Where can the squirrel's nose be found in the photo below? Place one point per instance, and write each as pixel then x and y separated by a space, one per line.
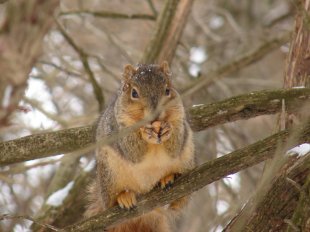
pixel 154 102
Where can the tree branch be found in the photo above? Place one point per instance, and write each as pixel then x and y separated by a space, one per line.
pixel 197 178
pixel 15 217
pixel 45 144
pixel 239 62
pixel 84 59
pixel 109 14
pixel 200 117
pixel 246 106
pixel 301 216
pixel 270 209
pixel 169 28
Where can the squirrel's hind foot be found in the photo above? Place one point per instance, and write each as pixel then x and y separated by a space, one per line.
pixel 127 199
pixel 166 182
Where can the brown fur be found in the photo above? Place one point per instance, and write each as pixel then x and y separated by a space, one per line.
pixel 135 163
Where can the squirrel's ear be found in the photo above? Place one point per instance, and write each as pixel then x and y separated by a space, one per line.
pixel 164 66
pixel 129 71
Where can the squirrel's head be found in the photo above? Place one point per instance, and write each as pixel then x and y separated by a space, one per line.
pixel 147 92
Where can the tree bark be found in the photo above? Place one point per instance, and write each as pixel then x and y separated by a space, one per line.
pixel 169 28
pixel 297 73
pixel 298 62
pixel 278 204
pixel 200 117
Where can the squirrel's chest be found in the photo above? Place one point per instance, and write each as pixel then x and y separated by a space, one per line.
pixel 143 176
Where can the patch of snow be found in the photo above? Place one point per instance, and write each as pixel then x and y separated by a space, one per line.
pixel 221 207
pixel 198 105
pixel 233 180
pixel 198 55
pixel 222 112
pixel 299 87
pixel 58 197
pixel 212 190
pixel 6 96
pixel 194 70
pixel 300 150
pixel 90 166
pixel 21 228
pixel 218 228
pixel 216 22
pixel 285 48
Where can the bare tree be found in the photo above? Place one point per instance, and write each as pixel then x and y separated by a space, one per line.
pixel 61 63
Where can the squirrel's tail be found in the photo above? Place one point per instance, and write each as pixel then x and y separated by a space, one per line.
pixel 95 203
pixel 150 222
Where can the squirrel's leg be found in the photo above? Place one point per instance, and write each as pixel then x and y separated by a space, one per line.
pixel 111 192
pixel 165 131
pixel 166 183
pixel 179 204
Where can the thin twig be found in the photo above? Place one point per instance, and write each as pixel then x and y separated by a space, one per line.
pixel 72 73
pixel 23 168
pixel 152 7
pixel 36 104
pixel 236 64
pixel 109 14
pixel 84 58
pixel 13 217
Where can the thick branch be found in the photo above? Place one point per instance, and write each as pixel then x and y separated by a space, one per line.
pixel 276 206
pixel 301 216
pixel 200 117
pixel 196 179
pixel 169 28
pixel 298 62
pixel 45 144
pixel 246 106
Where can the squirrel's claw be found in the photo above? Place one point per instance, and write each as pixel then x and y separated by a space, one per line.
pixel 167 181
pixel 149 135
pixel 165 132
pixel 127 199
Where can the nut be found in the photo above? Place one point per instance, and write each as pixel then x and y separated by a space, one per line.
pixel 156 126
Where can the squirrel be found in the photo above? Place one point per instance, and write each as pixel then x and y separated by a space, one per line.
pixel 154 154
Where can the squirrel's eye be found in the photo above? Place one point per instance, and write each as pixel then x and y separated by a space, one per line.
pixel 134 93
pixel 167 92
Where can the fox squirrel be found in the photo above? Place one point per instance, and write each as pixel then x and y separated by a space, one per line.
pixel 153 154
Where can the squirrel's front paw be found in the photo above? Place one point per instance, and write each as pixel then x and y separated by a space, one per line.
pixel 127 199
pixel 165 131
pixel 157 132
pixel 149 134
